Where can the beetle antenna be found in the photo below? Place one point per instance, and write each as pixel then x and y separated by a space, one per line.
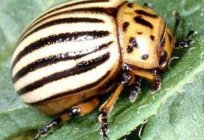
pixel 177 21
pixel 190 34
pixel 48 128
pixel 185 42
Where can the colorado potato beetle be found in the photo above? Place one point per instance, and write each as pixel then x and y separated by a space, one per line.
pixel 74 53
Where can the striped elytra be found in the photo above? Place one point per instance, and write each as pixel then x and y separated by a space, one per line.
pixel 82 49
pixel 69 50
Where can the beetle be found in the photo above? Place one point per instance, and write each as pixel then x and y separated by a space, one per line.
pixel 74 53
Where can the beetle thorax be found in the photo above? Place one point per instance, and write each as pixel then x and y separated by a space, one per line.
pixel 140 32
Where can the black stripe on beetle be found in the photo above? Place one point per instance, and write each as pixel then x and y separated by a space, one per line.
pixel 64 21
pixel 79 68
pixel 76 4
pixel 40 63
pixel 76 36
pixel 143 22
pixel 144 13
pixel 109 11
pixel 42 17
pixel 125 26
pixel 83 88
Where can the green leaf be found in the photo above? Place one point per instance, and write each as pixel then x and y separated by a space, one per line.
pixel 182 117
pixel 174 112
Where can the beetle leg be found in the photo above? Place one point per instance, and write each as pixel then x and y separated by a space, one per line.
pixel 46 129
pixel 155 78
pixel 107 107
pixel 185 42
pixel 135 90
pixel 78 110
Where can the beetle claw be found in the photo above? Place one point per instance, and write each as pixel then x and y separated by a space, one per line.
pixel 156 84
pixel 186 42
pixel 135 91
pixel 41 133
pixel 133 96
pixel 103 118
pixel 47 129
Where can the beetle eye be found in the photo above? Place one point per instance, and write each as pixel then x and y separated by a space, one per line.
pixel 163 59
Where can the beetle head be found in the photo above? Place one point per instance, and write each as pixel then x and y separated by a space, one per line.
pixel 148 51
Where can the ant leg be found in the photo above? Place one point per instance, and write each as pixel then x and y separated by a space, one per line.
pixel 78 110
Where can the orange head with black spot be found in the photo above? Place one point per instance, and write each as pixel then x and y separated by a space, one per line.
pixel 146 41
